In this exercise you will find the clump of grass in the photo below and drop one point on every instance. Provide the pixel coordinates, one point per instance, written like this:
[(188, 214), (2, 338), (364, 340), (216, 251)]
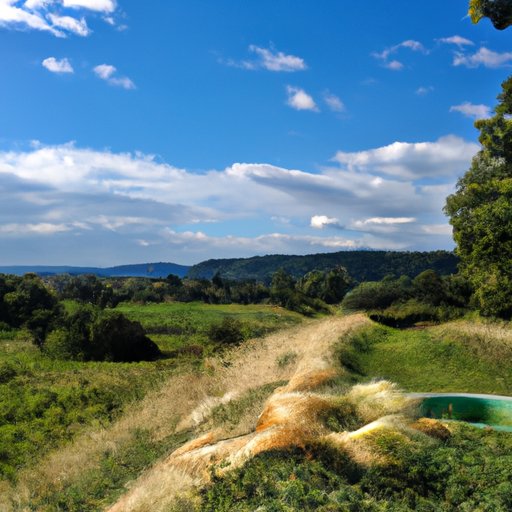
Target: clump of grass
[(287, 359)]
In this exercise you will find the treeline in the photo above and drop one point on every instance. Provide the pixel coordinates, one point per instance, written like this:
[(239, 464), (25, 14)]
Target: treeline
[(361, 265), (87, 327), (403, 302)]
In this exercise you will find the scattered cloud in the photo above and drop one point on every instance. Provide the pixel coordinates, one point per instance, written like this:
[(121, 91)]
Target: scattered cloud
[(269, 59), (322, 221), (456, 40), (483, 57), (334, 102), (424, 90), (472, 110), (51, 16), (78, 27), (394, 64), (108, 73), (58, 66), (413, 160), (299, 99)]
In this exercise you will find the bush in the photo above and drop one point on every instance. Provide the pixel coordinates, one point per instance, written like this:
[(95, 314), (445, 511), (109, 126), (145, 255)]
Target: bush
[(115, 338), (229, 331)]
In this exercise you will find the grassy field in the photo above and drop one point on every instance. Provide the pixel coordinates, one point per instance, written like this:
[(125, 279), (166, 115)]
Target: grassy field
[(176, 324), (432, 359), (45, 403)]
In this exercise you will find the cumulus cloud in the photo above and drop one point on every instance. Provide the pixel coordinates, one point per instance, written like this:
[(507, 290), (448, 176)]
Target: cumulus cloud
[(299, 99), (393, 64), (48, 15), (456, 40), (322, 221), (334, 102), (108, 73), (483, 57), (417, 160), (69, 201), (471, 110), (57, 66)]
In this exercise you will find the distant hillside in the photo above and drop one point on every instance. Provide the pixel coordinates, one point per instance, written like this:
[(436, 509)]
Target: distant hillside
[(361, 265), (138, 270)]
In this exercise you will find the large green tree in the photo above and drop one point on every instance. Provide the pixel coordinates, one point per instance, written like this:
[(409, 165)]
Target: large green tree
[(480, 212)]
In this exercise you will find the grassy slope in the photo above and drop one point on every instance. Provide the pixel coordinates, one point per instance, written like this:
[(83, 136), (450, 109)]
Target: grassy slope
[(428, 361)]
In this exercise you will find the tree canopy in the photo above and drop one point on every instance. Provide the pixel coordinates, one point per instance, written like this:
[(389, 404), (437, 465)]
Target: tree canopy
[(498, 11), (480, 212)]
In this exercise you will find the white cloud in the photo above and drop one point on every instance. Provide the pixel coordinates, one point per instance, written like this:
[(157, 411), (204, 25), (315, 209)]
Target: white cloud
[(387, 220), (277, 61), (82, 199), (483, 57), (106, 6), (58, 66), (78, 27), (396, 65), (413, 160), (42, 228), (47, 15), (334, 102), (18, 17), (456, 40), (108, 73), (472, 110), (424, 90), (269, 59), (322, 221), (299, 99)]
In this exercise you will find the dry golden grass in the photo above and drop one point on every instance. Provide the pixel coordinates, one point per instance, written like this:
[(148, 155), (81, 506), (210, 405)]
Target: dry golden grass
[(291, 417)]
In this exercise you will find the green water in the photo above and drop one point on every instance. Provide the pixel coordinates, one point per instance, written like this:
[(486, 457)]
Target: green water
[(482, 412)]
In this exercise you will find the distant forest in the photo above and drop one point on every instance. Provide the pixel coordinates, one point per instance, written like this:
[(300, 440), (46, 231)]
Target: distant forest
[(361, 265)]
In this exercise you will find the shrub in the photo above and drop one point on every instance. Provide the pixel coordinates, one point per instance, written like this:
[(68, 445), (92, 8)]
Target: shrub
[(229, 331)]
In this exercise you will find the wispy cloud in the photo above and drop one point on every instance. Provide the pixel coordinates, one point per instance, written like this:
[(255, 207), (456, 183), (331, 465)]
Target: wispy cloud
[(269, 59), (334, 102), (456, 40), (58, 66), (78, 27), (483, 57), (424, 90), (108, 73), (299, 99), (394, 64), (471, 110)]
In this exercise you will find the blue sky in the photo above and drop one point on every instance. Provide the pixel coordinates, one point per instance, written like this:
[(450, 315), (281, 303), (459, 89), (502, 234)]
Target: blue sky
[(183, 130)]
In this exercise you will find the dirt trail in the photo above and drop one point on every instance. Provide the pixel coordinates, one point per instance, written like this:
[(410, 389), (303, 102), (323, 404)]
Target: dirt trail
[(288, 415)]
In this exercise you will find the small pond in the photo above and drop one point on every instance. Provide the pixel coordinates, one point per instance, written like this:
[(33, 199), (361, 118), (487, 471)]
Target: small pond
[(479, 410)]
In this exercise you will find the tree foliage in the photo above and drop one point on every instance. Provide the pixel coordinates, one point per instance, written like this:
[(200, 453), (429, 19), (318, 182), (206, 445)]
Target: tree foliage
[(498, 11), (480, 212)]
